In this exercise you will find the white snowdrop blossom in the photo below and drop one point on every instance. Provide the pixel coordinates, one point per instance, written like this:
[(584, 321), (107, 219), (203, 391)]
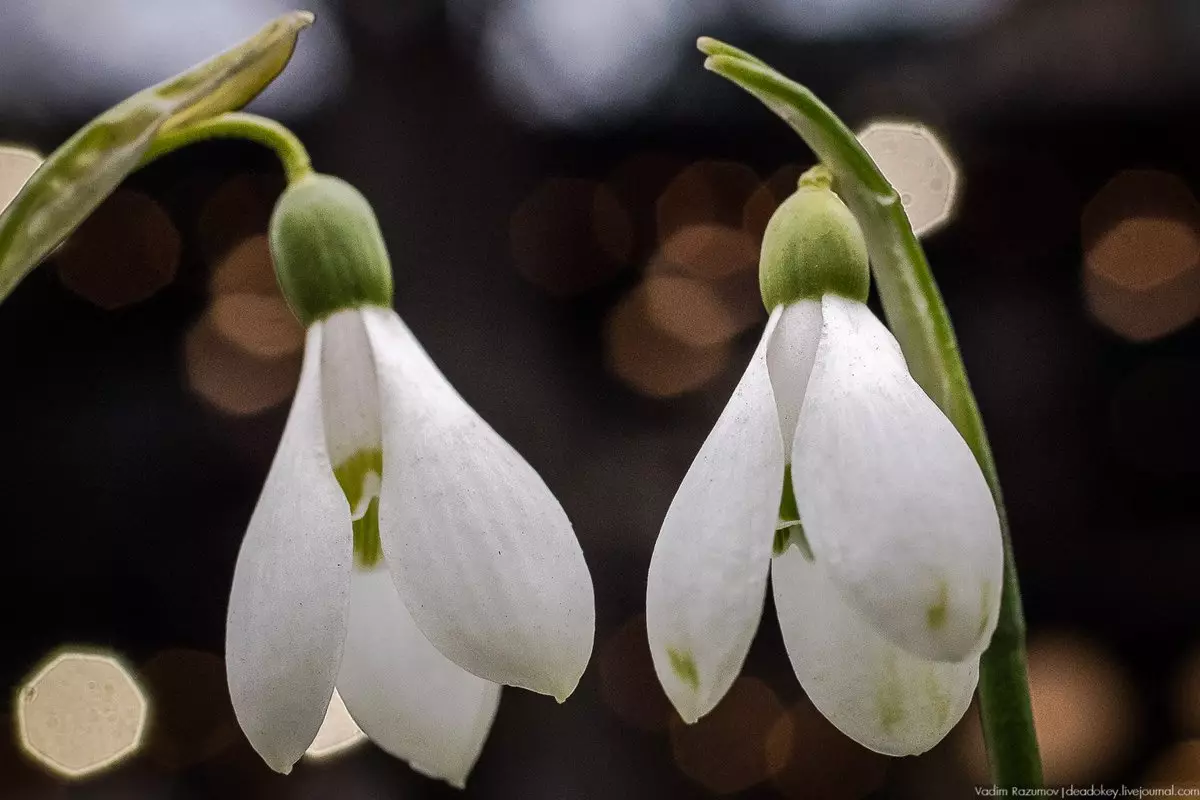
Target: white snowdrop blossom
[(401, 551), (831, 469)]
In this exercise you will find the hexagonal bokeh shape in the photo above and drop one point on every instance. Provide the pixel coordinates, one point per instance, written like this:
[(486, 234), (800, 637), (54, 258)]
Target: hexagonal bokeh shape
[(914, 161), (81, 713), (17, 164)]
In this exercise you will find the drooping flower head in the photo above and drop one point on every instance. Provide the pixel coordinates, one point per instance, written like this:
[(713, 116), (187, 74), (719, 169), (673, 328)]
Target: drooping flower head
[(401, 551), (833, 471)]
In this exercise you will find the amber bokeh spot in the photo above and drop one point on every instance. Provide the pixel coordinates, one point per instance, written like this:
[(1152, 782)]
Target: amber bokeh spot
[(1141, 240), (820, 762), (649, 360), (740, 743), (570, 235), (628, 682), (127, 250)]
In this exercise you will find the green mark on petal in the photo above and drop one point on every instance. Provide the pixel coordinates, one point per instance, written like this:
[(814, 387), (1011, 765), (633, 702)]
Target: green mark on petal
[(684, 667), (367, 549), (938, 698), (889, 696), (788, 512), (352, 474), (985, 604), (935, 615)]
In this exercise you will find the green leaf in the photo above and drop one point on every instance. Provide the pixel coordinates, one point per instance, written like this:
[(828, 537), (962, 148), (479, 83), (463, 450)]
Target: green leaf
[(918, 318), (91, 164)]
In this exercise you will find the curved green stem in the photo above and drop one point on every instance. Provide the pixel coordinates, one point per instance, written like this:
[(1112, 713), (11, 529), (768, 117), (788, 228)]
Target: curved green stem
[(238, 125), (921, 324)]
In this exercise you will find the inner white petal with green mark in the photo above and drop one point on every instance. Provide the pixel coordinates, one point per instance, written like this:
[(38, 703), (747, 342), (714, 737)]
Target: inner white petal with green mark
[(406, 696), (893, 503), (874, 692), (708, 573), (350, 395)]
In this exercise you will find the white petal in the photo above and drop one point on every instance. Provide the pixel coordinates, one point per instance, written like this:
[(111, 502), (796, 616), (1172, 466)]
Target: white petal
[(790, 357), (873, 691), (287, 608), (350, 398), (893, 502), (708, 574), (483, 555), (405, 695)]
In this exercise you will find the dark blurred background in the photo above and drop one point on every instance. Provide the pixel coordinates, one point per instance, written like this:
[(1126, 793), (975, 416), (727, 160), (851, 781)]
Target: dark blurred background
[(573, 207)]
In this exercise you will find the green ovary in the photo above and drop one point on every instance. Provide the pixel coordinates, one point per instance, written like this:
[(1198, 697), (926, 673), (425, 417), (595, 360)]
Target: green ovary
[(353, 476), (368, 551)]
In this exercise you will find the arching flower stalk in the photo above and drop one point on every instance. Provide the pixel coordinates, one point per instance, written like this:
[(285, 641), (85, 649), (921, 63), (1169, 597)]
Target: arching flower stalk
[(833, 471), (401, 551)]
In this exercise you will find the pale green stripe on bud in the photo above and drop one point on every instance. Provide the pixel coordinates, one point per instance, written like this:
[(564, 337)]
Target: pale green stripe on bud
[(359, 478), (328, 250)]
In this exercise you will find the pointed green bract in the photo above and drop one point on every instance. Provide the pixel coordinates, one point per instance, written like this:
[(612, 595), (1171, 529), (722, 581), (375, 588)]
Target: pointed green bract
[(89, 166), (921, 324)]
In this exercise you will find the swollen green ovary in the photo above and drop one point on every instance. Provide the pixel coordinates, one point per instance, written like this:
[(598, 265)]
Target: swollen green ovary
[(350, 402)]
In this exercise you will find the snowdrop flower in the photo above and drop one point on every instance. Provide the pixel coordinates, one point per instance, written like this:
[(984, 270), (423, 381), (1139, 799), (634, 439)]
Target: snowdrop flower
[(401, 551), (831, 468)]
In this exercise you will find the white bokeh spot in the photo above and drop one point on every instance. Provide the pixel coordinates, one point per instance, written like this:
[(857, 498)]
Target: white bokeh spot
[(17, 165), (81, 713), (919, 166), (338, 733)]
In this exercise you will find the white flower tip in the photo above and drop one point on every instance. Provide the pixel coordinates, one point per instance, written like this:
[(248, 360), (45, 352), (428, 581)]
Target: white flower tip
[(456, 779), (957, 623), (681, 680)]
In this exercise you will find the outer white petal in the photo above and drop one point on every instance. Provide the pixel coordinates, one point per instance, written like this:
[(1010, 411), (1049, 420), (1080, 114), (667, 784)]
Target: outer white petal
[(708, 573), (893, 503), (873, 691), (482, 553), (790, 357), (350, 395), (288, 605), (405, 695)]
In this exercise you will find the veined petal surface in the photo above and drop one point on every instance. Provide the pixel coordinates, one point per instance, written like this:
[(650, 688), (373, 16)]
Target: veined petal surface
[(407, 697), (483, 555), (790, 356), (881, 696), (288, 605), (893, 503), (708, 573)]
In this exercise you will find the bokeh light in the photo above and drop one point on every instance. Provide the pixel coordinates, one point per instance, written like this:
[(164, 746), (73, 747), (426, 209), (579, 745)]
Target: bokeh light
[(703, 193), (17, 164), (1178, 768), (761, 205), (1141, 240), (919, 166), (822, 762), (193, 719), (690, 310), (81, 713), (742, 742), (338, 732), (710, 250), (124, 253), (650, 361), (628, 683), (578, 62), (243, 355), (570, 235), (1083, 707)]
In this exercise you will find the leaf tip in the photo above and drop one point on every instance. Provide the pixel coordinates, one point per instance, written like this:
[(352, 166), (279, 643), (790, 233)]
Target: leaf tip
[(708, 45)]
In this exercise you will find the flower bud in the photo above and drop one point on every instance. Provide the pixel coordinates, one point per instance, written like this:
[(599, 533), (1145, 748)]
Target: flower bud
[(813, 247), (328, 250)]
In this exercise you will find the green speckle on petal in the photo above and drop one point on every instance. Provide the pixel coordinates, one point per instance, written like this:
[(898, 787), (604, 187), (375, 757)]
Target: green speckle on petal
[(935, 615), (985, 605), (368, 551), (684, 667), (352, 474), (938, 698), (889, 696)]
